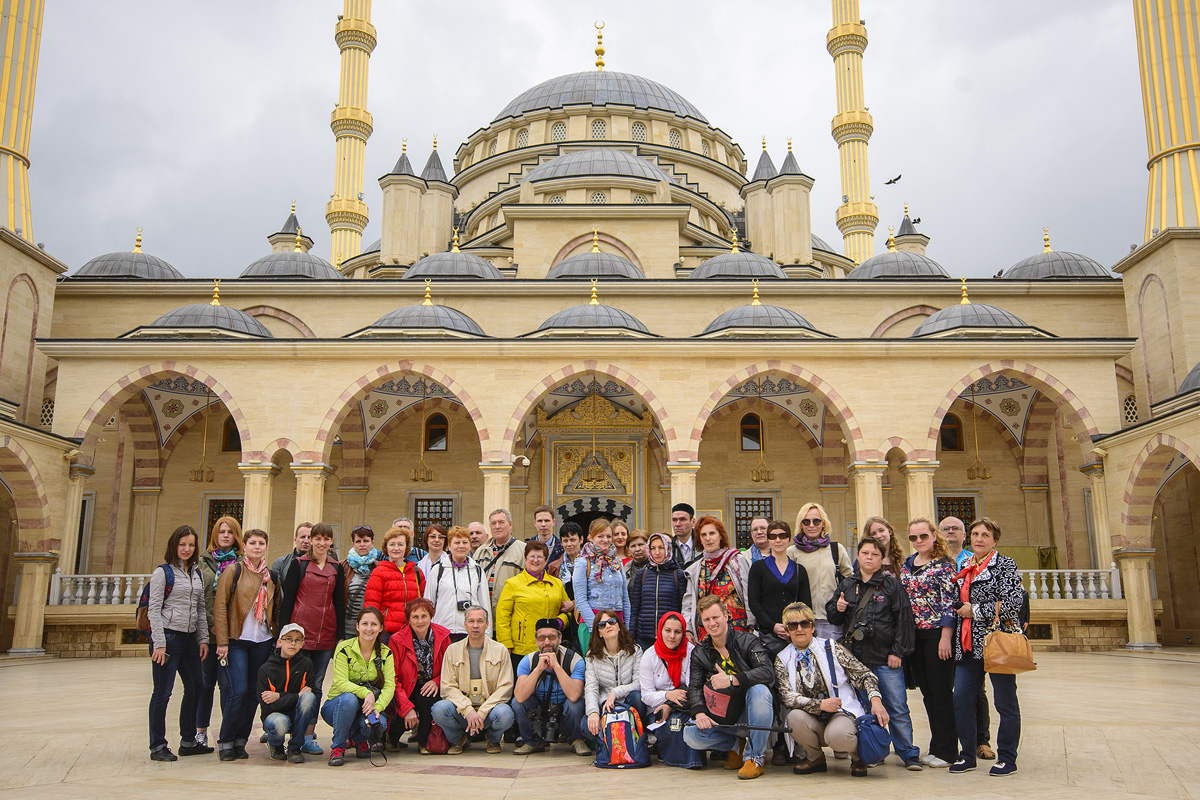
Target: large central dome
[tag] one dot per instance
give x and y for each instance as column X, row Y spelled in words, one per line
column 599, row 89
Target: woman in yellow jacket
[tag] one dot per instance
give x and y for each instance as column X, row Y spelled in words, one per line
column 364, row 683
column 527, row 597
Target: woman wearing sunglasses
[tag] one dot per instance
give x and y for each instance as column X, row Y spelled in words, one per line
column 824, row 561
column 776, row 582
column 612, row 671
column 928, row 578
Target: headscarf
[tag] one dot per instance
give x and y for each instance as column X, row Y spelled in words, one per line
column 968, row 574
column 363, row 564
column 261, row 600
column 601, row 560
column 667, row 543
column 673, row 659
column 810, row 545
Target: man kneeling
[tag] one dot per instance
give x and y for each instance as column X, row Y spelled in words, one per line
column 477, row 683
column 286, row 695
column 731, row 662
column 550, row 687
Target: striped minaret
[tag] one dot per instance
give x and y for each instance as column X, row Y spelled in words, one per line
column 21, row 32
column 346, row 213
column 857, row 216
column 1167, row 43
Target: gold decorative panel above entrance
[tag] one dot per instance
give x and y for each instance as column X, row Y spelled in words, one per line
column 598, row 412
column 611, row 471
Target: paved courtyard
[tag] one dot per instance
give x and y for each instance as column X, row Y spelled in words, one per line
column 1096, row 726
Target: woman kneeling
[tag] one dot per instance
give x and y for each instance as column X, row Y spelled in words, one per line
column 364, row 682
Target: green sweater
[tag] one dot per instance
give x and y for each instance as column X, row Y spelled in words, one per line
column 351, row 670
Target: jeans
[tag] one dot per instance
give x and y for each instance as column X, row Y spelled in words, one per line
column 968, row 677
column 760, row 710
column 935, row 679
column 320, row 661
column 894, row 693
column 183, row 657
column 570, row 726
column 454, row 725
column 204, row 703
column 239, row 680
column 277, row 725
column 983, row 720
column 344, row 715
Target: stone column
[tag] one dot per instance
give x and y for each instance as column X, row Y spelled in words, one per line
column 140, row 556
column 833, row 500
column 1135, row 564
column 354, row 513
column 918, row 482
column 310, row 491
column 76, row 484
column 35, row 569
column 1037, row 516
column 496, row 479
column 683, row 482
column 257, row 495
column 1100, row 522
column 867, row 479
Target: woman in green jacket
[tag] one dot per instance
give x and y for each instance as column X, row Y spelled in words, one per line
column 364, row 682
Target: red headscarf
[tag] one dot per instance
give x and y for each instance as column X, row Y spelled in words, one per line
column 968, row 574
column 672, row 658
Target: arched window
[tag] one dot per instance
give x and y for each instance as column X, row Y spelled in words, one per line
column 675, row 138
column 1129, row 411
column 704, row 149
column 559, row 132
column 599, row 129
column 599, row 198
column 492, row 149
column 752, row 432
column 523, row 137
column 638, row 132
column 556, row 199
column 231, row 440
column 639, row 199
column 952, row 433
column 437, row 432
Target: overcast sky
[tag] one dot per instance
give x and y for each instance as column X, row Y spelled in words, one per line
column 201, row 122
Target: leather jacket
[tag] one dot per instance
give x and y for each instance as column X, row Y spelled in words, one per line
column 748, row 655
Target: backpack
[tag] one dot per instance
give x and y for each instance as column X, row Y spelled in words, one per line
column 141, row 617
column 622, row 740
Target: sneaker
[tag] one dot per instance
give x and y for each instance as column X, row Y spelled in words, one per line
column 362, row 750
column 311, row 747
column 227, row 754
column 914, row 766
column 526, row 749
column 750, row 770
column 163, row 754
column 295, row 757
column 336, row 756
column 196, row 749
column 933, row 762
column 1002, row 768
column 457, row 748
column 984, row 751
column 278, row 753
column 493, row 747
column 962, row 765
column 202, row 738
column 581, row 748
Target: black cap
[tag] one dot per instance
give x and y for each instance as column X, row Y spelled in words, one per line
column 552, row 622
column 691, row 512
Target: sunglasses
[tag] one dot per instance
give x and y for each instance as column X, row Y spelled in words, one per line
column 779, row 535
column 811, row 522
column 362, row 529
column 918, row 537
column 605, row 623
column 804, row 624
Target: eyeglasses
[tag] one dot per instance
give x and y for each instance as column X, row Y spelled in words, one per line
column 291, row 640
column 777, row 535
column 811, row 522
column 918, row 537
column 946, row 528
column 606, row 622
column 804, row 624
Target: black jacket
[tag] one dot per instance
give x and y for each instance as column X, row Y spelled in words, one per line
column 768, row 597
column 887, row 619
column 286, row 676
column 748, row 655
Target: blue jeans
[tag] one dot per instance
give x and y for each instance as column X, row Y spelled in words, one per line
column 894, row 693
column 968, row 678
column 760, row 710
column 183, row 657
column 204, row 703
column 454, row 725
column 277, row 725
column 344, row 715
column 633, row 700
column 320, row 661
column 239, row 680
column 570, row 726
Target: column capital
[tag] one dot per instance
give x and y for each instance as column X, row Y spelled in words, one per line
column 1094, row 469
column 1130, row 553
column 487, row 467
column 1039, row 488
column 867, row 467
column 309, row 468
column 920, row 465
column 36, row 558
column 146, row 490
column 260, row 468
column 683, row 466
column 79, row 471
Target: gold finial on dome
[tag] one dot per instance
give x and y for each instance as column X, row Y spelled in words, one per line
column 299, row 231
column 789, row 144
column 891, row 239
column 1045, row 238
column 216, row 301
column 735, row 242
column 966, row 301
column 764, row 143
column 403, row 146
column 293, row 206
column 906, row 209
column 435, row 141
column 754, row 301
column 600, row 47
column 454, row 246
column 428, row 296
column 137, row 242
column 594, row 301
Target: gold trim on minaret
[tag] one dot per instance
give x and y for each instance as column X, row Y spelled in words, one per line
column 23, row 30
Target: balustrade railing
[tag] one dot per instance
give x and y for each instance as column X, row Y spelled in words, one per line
column 95, row 590
column 1073, row 584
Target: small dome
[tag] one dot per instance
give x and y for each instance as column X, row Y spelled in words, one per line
column 291, row 266
column 969, row 315
column 374, row 247
column 206, row 315
column 1056, row 264
column 760, row 316
column 593, row 316
column 600, row 89
column 595, row 265
column 1190, row 383
column 738, row 265
column 897, row 264
column 128, row 265
column 598, row 161
column 454, row 266
column 432, row 317
column 820, row 244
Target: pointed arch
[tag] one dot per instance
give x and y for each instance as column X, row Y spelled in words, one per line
column 29, row 497
column 1141, row 488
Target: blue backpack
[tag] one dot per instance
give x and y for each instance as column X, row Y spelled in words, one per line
column 142, row 615
column 622, row 740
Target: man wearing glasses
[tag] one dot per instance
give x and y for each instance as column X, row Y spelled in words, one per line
column 955, row 534
column 550, row 687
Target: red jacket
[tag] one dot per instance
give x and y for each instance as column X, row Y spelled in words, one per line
column 405, row 657
column 389, row 589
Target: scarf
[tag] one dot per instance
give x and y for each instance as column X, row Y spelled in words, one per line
column 968, row 574
column 811, row 545
column 263, row 597
column 363, row 564
column 605, row 560
column 223, row 558
column 672, row 658
column 424, row 652
column 716, row 560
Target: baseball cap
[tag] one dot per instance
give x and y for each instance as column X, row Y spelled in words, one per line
column 291, row 626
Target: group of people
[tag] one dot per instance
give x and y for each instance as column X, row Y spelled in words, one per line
column 482, row 637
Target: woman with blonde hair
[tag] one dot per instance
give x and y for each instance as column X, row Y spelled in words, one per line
column 824, row 560
column 598, row 579
column 225, row 547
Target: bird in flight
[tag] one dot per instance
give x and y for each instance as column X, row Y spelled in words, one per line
column 893, row 180
column 916, row 221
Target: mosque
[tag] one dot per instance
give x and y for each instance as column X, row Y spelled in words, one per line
column 601, row 302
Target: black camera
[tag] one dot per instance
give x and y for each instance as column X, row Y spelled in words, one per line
column 463, row 605
column 862, row 632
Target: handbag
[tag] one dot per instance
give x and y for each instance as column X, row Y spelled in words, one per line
column 1006, row 653
column 436, row 742
column 874, row 742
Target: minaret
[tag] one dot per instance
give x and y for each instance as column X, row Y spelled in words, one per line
column 351, row 124
column 1167, row 53
column 21, row 28
column 857, row 216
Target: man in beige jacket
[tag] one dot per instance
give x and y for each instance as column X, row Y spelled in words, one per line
column 477, row 683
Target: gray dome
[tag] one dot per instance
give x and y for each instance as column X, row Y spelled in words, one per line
column 896, row 264
column 970, row 315
column 454, row 266
column 128, row 265
column 1190, row 383
column 593, row 316
column 598, row 161
column 206, row 315
column 292, row 266
column 600, row 89
column 820, row 244
column 738, row 265
column 374, row 247
column 422, row 316
column 595, row 265
column 760, row 316
column 1056, row 264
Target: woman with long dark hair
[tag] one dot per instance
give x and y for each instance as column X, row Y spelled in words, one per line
column 364, row 683
column 612, row 670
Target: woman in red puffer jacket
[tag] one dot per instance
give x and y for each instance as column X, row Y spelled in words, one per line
column 417, row 649
column 394, row 582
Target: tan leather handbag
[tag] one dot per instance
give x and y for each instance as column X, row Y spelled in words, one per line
column 1006, row 653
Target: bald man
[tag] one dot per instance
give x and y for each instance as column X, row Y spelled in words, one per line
column 955, row 534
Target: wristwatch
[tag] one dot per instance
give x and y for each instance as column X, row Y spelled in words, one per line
column 873, row 694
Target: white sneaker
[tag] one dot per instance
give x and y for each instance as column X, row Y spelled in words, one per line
column 202, row 738
column 933, row 762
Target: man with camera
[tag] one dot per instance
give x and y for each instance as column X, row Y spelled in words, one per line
column 477, row 684
column 455, row 587
column 548, row 697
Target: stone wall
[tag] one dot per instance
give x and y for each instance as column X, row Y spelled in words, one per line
column 90, row 632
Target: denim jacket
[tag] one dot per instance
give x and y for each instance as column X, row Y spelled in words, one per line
column 610, row 591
